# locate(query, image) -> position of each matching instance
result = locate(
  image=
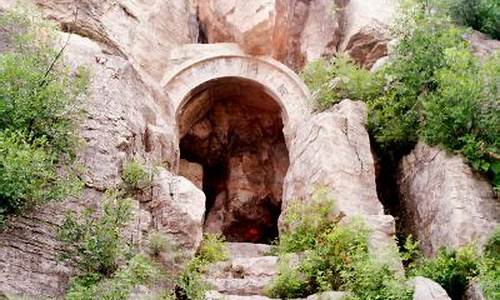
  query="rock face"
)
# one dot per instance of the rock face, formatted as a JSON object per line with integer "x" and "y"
{"x": 298, "y": 31}
{"x": 426, "y": 289}
{"x": 177, "y": 209}
{"x": 332, "y": 150}
{"x": 248, "y": 23}
{"x": 335, "y": 147}
{"x": 474, "y": 291}
{"x": 137, "y": 30}
{"x": 446, "y": 203}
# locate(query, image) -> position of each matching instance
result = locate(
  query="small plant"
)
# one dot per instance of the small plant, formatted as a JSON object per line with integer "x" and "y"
{"x": 190, "y": 284}
{"x": 138, "y": 271}
{"x": 93, "y": 240}
{"x": 338, "y": 79}
{"x": 212, "y": 249}
{"x": 157, "y": 243}
{"x": 135, "y": 176}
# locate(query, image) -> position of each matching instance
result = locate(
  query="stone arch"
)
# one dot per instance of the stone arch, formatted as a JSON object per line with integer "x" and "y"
{"x": 277, "y": 80}
{"x": 235, "y": 117}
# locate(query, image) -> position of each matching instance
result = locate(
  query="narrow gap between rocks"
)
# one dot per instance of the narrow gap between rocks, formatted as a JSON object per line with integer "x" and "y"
{"x": 388, "y": 189}
{"x": 233, "y": 147}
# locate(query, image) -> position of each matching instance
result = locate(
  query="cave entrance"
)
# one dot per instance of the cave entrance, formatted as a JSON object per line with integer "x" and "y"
{"x": 232, "y": 146}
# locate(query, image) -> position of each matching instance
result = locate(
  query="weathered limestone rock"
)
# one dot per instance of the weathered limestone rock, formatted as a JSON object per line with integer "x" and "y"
{"x": 426, "y": 289}
{"x": 192, "y": 171}
{"x": 327, "y": 296}
{"x": 482, "y": 45}
{"x": 119, "y": 111}
{"x": 474, "y": 291}
{"x": 29, "y": 252}
{"x": 365, "y": 34}
{"x": 177, "y": 209}
{"x": 307, "y": 30}
{"x": 446, "y": 203}
{"x": 214, "y": 295}
{"x": 138, "y": 30}
{"x": 333, "y": 149}
{"x": 248, "y": 23}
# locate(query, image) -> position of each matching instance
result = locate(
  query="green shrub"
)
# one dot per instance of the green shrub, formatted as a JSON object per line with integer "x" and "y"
{"x": 482, "y": 15}
{"x": 138, "y": 271}
{"x": 330, "y": 82}
{"x": 39, "y": 111}
{"x": 489, "y": 278}
{"x": 212, "y": 249}
{"x": 452, "y": 269}
{"x": 136, "y": 176}
{"x": 463, "y": 113}
{"x": 157, "y": 243}
{"x": 334, "y": 256}
{"x": 93, "y": 240}
{"x": 190, "y": 284}
{"x": 432, "y": 89}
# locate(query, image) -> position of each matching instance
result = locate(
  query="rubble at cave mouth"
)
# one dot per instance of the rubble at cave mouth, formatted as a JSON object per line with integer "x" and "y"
{"x": 234, "y": 130}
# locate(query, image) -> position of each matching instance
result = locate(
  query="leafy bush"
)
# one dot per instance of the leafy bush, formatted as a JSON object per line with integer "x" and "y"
{"x": 190, "y": 284}
{"x": 433, "y": 89}
{"x": 136, "y": 176}
{"x": 482, "y": 15}
{"x": 93, "y": 240}
{"x": 138, "y": 271}
{"x": 489, "y": 277}
{"x": 452, "y": 269}
{"x": 338, "y": 79}
{"x": 212, "y": 249}
{"x": 334, "y": 256}
{"x": 39, "y": 111}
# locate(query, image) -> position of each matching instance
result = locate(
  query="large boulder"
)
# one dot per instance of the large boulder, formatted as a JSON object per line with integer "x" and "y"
{"x": 446, "y": 203}
{"x": 332, "y": 149}
{"x": 426, "y": 289}
{"x": 178, "y": 208}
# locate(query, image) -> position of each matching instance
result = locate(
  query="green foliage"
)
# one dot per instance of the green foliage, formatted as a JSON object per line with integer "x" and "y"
{"x": 93, "y": 239}
{"x": 452, "y": 269}
{"x": 289, "y": 284}
{"x": 338, "y": 79}
{"x": 304, "y": 220}
{"x": 190, "y": 284}
{"x": 489, "y": 277}
{"x": 136, "y": 176}
{"x": 157, "y": 243}
{"x": 433, "y": 89}
{"x": 334, "y": 256}
{"x": 39, "y": 111}
{"x": 138, "y": 271}
{"x": 482, "y": 15}
{"x": 212, "y": 249}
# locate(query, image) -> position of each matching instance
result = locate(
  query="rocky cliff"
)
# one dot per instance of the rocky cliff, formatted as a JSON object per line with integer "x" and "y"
{"x": 206, "y": 90}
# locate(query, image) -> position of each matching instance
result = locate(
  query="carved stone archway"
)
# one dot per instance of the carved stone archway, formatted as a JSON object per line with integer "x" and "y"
{"x": 193, "y": 66}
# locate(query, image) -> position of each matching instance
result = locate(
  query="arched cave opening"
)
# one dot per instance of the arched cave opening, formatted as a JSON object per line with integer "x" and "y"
{"x": 232, "y": 146}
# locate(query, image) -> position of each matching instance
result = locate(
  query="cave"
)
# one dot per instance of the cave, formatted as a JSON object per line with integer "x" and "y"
{"x": 232, "y": 146}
